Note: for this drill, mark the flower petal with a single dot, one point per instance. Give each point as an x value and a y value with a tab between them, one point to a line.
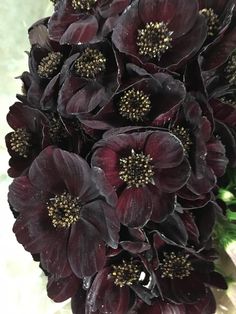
103	218
165	149
86	250
170	12
172	179
61	289
135	206
104	295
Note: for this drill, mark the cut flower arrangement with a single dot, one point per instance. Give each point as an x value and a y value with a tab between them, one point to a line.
124	136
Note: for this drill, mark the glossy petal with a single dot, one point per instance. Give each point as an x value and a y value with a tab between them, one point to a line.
103	218
165	150
172	179
135	206
164	204
83	30
61	289
86	250
104	295
170	12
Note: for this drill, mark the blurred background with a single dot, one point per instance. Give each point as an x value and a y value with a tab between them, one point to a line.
23	286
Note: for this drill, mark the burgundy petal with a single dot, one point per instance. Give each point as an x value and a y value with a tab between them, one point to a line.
82	31
216	158
218	53
165	150
33	234
113	7
125	33
86	250
172	179
162	307
104	186
104	295
164	204
188	290
173	229
103	218
186	46
54	258
76	174
135	206
61	289
108	161
170	12
206	305
23	196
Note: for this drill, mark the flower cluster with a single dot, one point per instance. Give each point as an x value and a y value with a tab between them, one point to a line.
124	127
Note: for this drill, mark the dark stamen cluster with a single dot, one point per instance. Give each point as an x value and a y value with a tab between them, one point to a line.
64	210
230	69
49	65
91	63
183	136
154	40
134	105
136	170
57	131
126	274
83	5
212	21
175	266
20	142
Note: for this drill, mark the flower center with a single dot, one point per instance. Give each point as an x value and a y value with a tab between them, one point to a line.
91	63
136	170
183	136
212	21
126	274
230	69
20	142
134	105
175	266
83	5
57	130
154	40
49	64
64	210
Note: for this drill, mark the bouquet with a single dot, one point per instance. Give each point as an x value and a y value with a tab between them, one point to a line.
122	153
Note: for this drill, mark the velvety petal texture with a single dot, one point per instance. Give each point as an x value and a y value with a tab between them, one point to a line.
123	153
163	153
69	248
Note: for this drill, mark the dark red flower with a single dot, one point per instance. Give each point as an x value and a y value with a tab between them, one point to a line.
151	32
46	57
63	214
82	21
206	305
89	78
145	169
139	103
206	153
183	275
115	287
26	141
